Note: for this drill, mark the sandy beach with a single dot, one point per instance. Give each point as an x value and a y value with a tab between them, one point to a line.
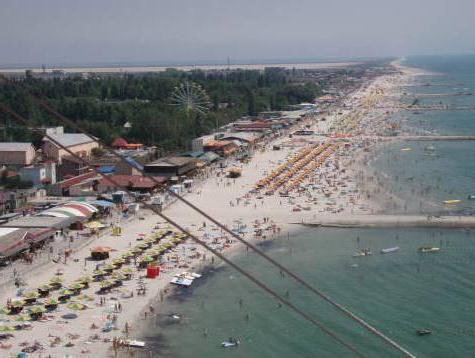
332	187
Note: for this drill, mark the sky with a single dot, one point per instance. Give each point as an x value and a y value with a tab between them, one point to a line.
195	31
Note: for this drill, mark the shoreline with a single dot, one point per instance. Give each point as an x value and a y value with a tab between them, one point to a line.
226	199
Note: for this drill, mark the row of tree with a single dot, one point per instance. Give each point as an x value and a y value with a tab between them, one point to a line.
103	104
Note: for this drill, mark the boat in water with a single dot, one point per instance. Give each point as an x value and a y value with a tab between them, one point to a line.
231	342
452	202
389	250
363	252
471	197
429	249
423	332
430	148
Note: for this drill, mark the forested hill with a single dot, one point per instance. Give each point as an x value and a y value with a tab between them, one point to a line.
103	104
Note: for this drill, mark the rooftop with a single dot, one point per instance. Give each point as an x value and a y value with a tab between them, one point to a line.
132	181
172	161
14	146
69	139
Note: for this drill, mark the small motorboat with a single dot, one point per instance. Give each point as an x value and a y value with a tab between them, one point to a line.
175	316
363	252
406	149
452	202
231	342
430	148
389	250
471	197
429	249
423	332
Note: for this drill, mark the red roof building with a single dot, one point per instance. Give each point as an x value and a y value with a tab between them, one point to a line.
121	143
221	147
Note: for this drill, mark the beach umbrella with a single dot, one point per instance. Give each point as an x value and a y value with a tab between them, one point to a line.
56	279
56	282
118	276
76	286
5	310
147	259
118	261
38	309
109	267
128	254
51	302
7	329
31	294
136	250
44	289
84	297
17	303
98	273
76	306
106	284
23	318
65	292
84	279
127	271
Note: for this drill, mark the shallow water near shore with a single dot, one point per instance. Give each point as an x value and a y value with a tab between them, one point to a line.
398	293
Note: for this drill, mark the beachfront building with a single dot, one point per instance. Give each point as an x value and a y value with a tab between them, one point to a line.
62	188
223	148
78	143
131	182
252	126
244	138
172	166
16	154
39	174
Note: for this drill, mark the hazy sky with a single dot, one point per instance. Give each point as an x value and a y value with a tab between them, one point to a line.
81	31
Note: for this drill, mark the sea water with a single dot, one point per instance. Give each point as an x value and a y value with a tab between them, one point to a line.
398	293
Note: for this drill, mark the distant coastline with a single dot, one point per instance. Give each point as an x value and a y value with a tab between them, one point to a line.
205	67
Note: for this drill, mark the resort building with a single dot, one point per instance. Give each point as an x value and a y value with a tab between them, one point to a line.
172	166
16	153
78	143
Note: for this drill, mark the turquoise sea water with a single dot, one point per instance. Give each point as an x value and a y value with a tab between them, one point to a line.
398	293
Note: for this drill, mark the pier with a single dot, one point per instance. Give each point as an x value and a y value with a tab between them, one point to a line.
437	137
392	221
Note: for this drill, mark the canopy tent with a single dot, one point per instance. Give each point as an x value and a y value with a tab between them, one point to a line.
63	212
70	209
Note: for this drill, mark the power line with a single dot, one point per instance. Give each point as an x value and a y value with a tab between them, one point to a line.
44	104
248	275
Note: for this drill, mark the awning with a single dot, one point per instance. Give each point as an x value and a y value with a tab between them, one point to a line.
103	203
